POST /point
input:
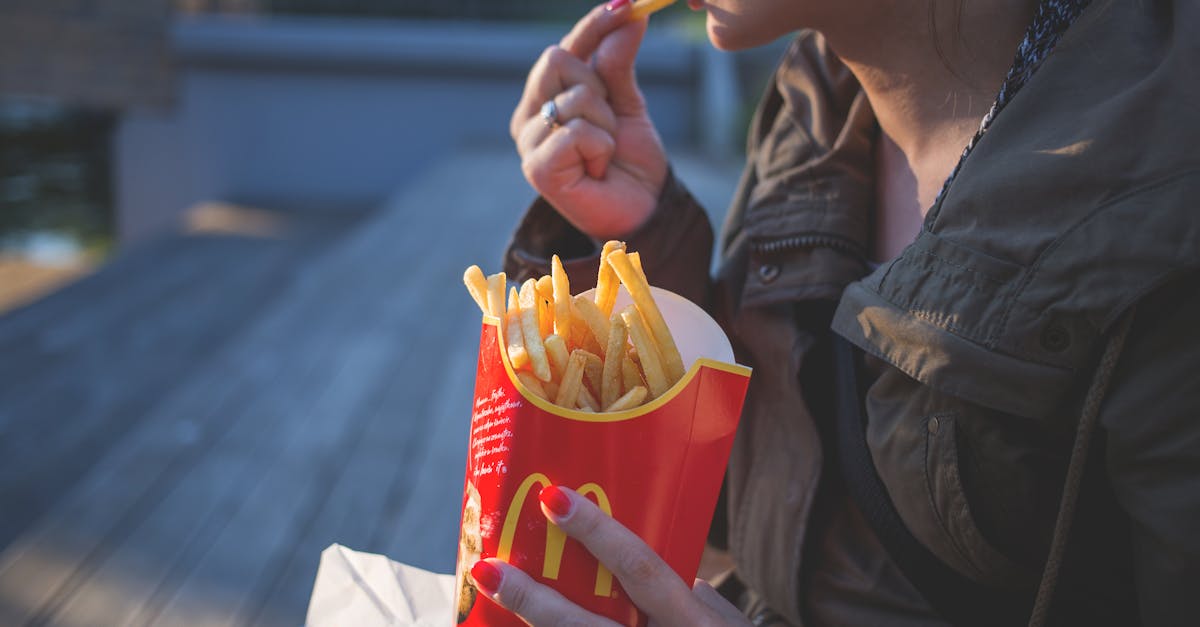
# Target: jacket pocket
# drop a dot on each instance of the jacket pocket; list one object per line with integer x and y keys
{"x": 973, "y": 554}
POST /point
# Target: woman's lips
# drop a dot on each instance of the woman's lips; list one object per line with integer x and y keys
{"x": 696, "y": 5}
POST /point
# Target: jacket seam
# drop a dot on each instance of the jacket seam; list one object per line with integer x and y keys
{"x": 1039, "y": 264}
{"x": 983, "y": 275}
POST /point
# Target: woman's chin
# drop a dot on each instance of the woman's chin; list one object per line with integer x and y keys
{"x": 727, "y": 39}
{"x": 724, "y": 38}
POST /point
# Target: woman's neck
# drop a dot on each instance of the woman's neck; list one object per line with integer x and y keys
{"x": 930, "y": 78}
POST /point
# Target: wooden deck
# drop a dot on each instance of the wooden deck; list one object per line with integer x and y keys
{"x": 183, "y": 432}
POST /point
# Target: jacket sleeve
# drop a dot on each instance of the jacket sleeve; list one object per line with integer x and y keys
{"x": 1152, "y": 417}
{"x": 675, "y": 245}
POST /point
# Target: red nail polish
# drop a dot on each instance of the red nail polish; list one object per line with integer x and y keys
{"x": 616, "y": 4}
{"x": 486, "y": 576}
{"x": 556, "y": 501}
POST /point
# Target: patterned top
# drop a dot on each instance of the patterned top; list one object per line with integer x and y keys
{"x": 1051, "y": 19}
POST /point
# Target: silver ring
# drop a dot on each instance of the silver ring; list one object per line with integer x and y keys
{"x": 549, "y": 113}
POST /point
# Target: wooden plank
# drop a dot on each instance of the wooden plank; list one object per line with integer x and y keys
{"x": 215, "y": 508}
{"x": 136, "y": 474}
{"x": 103, "y": 393}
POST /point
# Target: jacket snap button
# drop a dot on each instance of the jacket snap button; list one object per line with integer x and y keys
{"x": 768, "y": 272}
{"x": 1056, "y": 338}
{"x": 933, "y": 425}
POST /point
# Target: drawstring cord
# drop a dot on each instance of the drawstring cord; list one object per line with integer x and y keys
{"x": 1083, "y": 437}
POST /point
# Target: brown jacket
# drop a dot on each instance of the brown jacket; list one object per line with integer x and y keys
{"x": 1077, "y": 206}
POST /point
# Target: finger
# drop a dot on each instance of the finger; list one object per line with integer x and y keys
{"x": 646, "y": 578}
{"x": 581, "y": 101}
{"x": 553, "y": 164}
{"x": 577, "y": 102}
{"x": 554, "y": 72}
{"x": 520, "y": 594}
{"x": 614, "y": 62}
{"x": 590, "y": 30}
{"x": 730, "y": 615}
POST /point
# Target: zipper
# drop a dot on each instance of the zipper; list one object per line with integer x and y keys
{"x": 810, "y": 240}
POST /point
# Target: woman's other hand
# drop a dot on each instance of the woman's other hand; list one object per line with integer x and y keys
{"x": 644, "y": 576}
{"x": 600, "y": 162}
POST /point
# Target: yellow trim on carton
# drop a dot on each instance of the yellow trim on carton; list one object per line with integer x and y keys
{"x": 583, "y": 416}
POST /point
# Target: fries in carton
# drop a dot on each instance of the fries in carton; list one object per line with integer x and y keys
{"x": 646, "y": 439}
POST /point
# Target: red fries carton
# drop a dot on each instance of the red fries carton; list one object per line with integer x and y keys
{"x": 657, "y": 469}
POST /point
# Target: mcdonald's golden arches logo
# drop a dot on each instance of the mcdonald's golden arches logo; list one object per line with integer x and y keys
{"x": 555, "y": 538}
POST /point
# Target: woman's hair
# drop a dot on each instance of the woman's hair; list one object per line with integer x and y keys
{"x": 956, "y": 22}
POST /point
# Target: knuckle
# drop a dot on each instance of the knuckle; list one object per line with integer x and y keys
{"x": 517, "y": 599}
{"x": 637, "y": 566}
{"x": 587, "y": 525}
{"x": 556, "y": 56}
{"x": 573, "y": 621}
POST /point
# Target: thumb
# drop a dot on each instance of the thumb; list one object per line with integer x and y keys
{"x": 614, "y": 60}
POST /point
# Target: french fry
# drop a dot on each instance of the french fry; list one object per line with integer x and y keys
{"x": 652, "y": 367}
{"x": 515, "y": 337}
{"x": 562, "y": 299}
{"x": 545, "y": 287}
{"x": 545, "y": 290}
{"x": 572, "y": 381}
{"x": 631, "y": 399}
{"x": 531, "y": 332}
{"x": 643, "y": 8}
{"x": 614, "y": 354}
{"x": 531, "y": 382}
{"x": 607, "y": 281}
{"x": 635, "y": 258}
{"x": 639, "y": 291}
{"x": 630, "y": 377}
{"x": 597, "y": 323}
{"x": 477, "y": 287}
{"x": 593, "y": 370}
{"x": 551, "y": 390}
{"x": 495, "y": 294}
{"x": 586, "y": 402}
{"x": 556, "y": 350}
{"x": 545, "y": 317}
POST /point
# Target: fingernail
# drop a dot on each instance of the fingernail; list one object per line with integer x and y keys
{"x": 556, "y": 501}
{"x": 486, "y": 576}
{"x": 616, "y": 4}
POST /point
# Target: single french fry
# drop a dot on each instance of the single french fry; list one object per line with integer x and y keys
{"x": 514, "y": 338}
{"x": 545, "y": 316}
{"x": 631, "y": 399}
{"x": 529, "y": 327}
{"x": 597, "y": 323}
{"x": 477, "y": 287}
{"x": 587, "y": 410}
{"x": 643, "y": 8}
{"x": 614, "y": 354}
{"x": 586, "y": 402}
{"x": 652, "y": 367}
{"x": 545, "y": 287}
{"x": 562, "y": 299}
{"x": 607, "y": 281}
{"x": 556, "y": 350}
{"x": 635, "y": 258}
{"x": 630, "y": 376}
{"x": 593, "y": 370}
{"x": 639, "y": 291}
{"x": 531, "y": 382}
{"x": 572, "y": 381}
{"x": 551, "y": 390}
{"x": 495, "y": 294}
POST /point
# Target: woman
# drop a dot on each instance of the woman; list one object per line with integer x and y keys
{"x": 1020, "y": 437}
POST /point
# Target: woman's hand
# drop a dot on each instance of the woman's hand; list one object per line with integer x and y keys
{"x": 644, "y": 576}
{"x": 600, "y": 162}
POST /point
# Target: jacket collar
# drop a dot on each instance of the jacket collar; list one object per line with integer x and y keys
{"x": 1078, "y": 201}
